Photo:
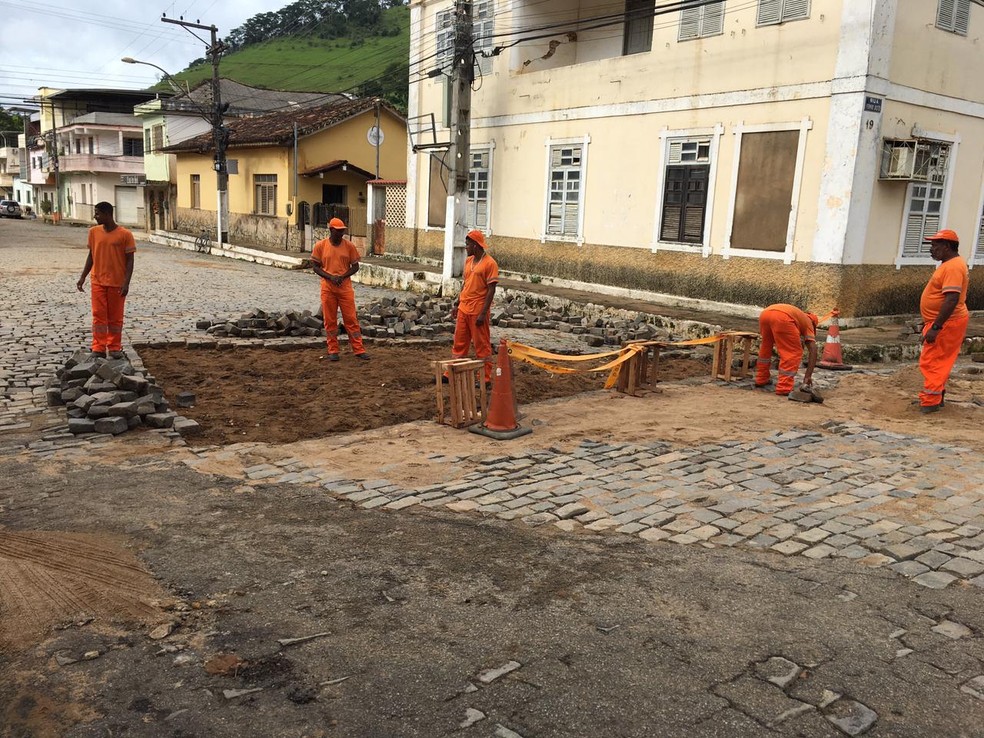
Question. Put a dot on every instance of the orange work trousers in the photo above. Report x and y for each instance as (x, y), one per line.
(781, 331)
(466, 334)
(107, 318)
(936, 359)
(341, 298)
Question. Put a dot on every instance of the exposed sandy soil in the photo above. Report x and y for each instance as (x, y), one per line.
(274, 397)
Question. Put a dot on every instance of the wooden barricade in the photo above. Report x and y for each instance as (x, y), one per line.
(724, 355)
(640, 369)
(467, 397)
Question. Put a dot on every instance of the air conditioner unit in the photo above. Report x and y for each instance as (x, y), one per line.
(914, 160)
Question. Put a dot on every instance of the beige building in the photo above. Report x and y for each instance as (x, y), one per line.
(742, 152)
(290, 171)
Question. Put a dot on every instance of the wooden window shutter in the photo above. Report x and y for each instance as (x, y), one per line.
(713, 20)
(961, 17)
(769, 12)
(795, 9)
(944, 15)
(689, 24)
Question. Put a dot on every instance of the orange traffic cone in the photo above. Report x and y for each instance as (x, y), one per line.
(832, 357)
(500, 422)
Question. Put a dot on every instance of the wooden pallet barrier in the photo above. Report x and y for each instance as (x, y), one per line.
(467, 400)
(724, 355)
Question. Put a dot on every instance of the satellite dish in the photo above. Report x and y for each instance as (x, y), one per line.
(375, 136)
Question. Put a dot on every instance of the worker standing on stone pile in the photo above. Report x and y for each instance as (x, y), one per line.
(335, 259)
(787, 328)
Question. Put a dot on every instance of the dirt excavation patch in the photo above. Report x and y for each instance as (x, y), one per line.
(50, 577)
(262, 395)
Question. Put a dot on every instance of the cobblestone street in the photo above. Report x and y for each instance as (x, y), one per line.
(841, 498)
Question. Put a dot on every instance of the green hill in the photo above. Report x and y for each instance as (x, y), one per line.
(375, 65)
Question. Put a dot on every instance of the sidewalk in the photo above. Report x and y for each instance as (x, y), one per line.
(879, 342)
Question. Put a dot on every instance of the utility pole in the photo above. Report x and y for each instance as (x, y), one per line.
(220, 134)
(460, 163)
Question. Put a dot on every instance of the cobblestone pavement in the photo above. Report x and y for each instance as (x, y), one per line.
(847, 498)
(883, 499)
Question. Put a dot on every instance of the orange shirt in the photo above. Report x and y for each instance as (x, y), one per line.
(950, 276)
(478, 276)
(335, 260)
(109, 250)
(803, 321)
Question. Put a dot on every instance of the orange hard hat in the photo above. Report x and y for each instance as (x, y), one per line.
(337, 224)
(945, 235)
(478, 237)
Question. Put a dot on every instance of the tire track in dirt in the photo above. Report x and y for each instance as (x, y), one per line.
(48, 577)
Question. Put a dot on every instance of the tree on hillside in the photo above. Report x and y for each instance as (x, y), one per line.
(10, 121)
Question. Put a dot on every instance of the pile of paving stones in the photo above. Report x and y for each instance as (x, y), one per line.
(430, 317)
(110, 396)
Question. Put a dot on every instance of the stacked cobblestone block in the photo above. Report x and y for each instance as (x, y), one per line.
(107, 396)
(430, 317)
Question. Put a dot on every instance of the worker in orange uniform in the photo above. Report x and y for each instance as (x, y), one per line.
(335, 259)
(471, 310)
(110, 259)
(786, 327)
(944, 311)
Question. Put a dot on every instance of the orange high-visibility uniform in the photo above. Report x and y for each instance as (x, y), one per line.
(108, 250)
(936, 359)
(336, 260)
(478, 276)
(783, 326)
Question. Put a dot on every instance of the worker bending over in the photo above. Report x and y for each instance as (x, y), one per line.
(786, 327)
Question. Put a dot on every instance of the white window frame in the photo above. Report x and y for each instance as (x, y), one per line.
(977, 254)
(787, 256)
(698, 16)
(953, 16)
(483, 26)
(550, 145)
(485, 148)
(666, 137)
(789, 10)
(257, 198)
(954, 141)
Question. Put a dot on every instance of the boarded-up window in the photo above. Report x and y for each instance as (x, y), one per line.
(764, 194)
(564, 207)
(638, 36)
(771, 12)
(953, 16)
(479, 177)
(437, 193)
(702, 21)
(265, 194)
(196, 191)
(157, 136)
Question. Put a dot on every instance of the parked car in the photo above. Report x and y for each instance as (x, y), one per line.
(10, 209)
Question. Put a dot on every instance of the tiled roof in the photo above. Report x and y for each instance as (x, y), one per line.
(337, 164)
(278, 128)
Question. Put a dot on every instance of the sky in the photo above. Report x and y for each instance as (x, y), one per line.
(79, 43)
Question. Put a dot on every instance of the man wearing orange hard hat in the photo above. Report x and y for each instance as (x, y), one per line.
(786, 327)
(471, 310)
(335, 259)
(944, 311)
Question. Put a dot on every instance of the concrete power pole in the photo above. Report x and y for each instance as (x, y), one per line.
(220, 134)
(460, 162)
